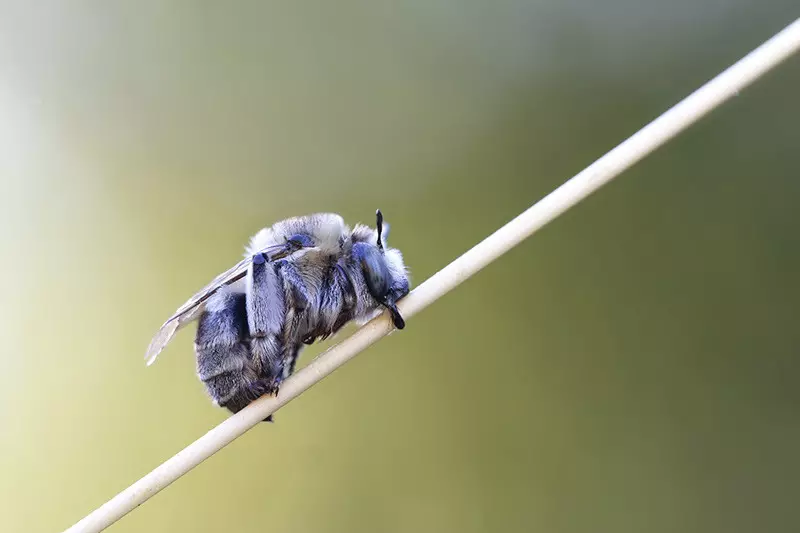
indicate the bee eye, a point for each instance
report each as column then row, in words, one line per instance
column 376, row 273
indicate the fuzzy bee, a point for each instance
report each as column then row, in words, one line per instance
column 302, row 279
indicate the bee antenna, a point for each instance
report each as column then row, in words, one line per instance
column 379, row 224
column 397, row 318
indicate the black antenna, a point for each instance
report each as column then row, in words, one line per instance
column 397, row 319
column 379, row 224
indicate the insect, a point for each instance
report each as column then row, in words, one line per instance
column 302, row 279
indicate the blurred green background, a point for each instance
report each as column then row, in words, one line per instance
column 633, row 367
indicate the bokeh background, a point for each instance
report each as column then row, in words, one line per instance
column 633, row 367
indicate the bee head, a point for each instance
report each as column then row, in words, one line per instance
column 377, row 270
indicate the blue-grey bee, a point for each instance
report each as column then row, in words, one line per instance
column 302, row 279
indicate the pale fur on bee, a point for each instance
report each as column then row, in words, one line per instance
column 303, row 278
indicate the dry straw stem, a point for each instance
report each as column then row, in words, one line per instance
column 655, row 134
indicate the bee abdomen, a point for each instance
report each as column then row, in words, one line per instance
column 225, row 370
column 224, row 362
column 238, row 391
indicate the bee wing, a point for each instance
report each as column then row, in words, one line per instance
column 193, row 307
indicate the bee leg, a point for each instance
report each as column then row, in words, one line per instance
column 296, row 299
column 294, row 354
column 265, row 318
column 298, row 306
column 338, row 301
column 288, row 371
column 223, row 357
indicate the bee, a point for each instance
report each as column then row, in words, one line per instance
column 302, row 279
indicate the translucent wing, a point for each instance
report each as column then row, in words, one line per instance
column 192, row 309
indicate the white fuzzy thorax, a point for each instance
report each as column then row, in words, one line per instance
column 325, row 228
